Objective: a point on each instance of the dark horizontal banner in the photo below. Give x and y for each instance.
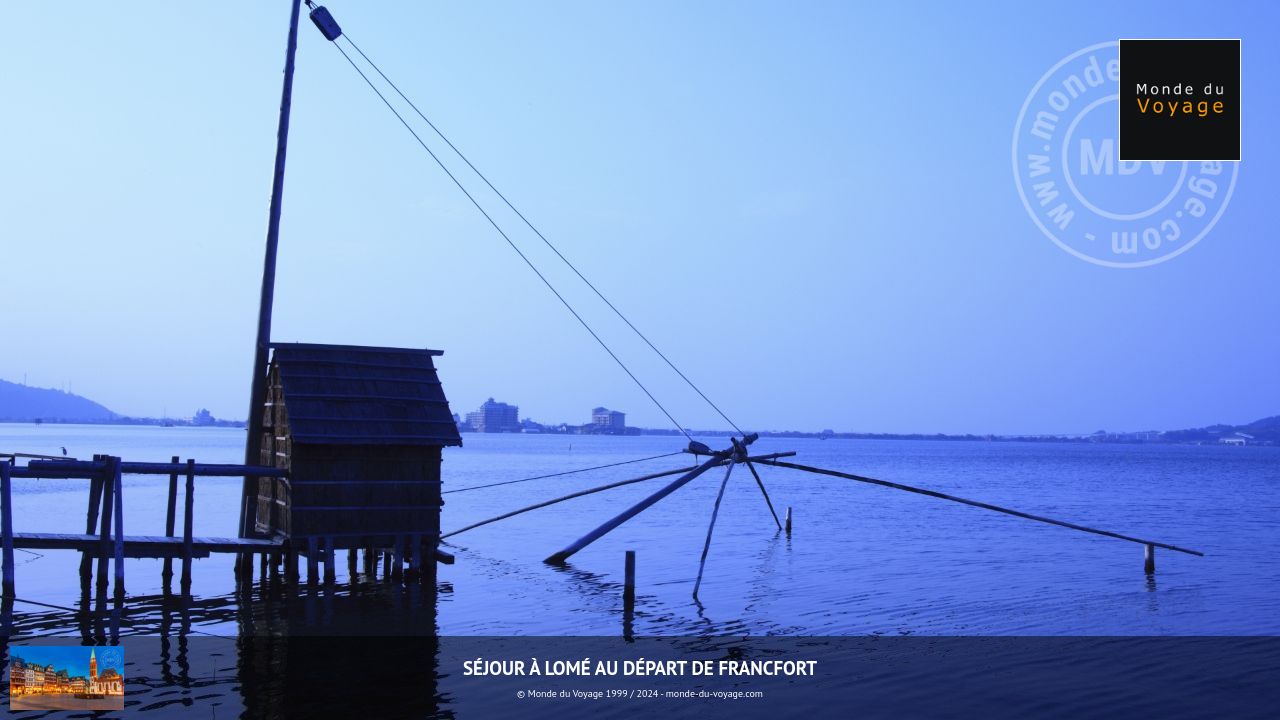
(568, 677)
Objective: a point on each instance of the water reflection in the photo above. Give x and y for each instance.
(1153, 598)
(269, 649)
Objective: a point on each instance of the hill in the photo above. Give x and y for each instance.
(1266, 430)
(20, 403)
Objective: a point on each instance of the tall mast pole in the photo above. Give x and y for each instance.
(261, 348)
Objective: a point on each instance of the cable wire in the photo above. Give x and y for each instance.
(567, 472)
(542, 237)
(504, 235)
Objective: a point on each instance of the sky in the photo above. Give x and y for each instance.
(809, 207)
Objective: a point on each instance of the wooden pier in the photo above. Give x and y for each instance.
(104, 538)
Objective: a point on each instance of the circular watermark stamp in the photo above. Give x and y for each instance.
(1073, 184)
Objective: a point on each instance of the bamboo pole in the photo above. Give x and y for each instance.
(975, 503)
(261, 347)
(590, 491)
(715, 511)
(764, 492)
(570, 496)
(634, 510)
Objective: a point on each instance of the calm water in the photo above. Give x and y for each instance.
(862, 560)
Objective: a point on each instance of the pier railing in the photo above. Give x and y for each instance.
(104, 536)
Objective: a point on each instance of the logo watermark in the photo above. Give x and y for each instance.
(1071, 180)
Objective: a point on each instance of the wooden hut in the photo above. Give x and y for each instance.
(360, 430)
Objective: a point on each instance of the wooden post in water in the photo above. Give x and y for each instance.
(1149, 559)
(788, 521)
(330, 560)
(170, 519)
(91, 520)
(386, 565)
(397, 558)
(313, 574)
(188, 525)
(369, 561)
(291, 565)
(351, 565)
(629, 583)
(104, 526)
(415, 557)
(6, 529)
(117, 483)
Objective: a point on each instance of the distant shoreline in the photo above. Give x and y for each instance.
(1213, 435)
(158, 422)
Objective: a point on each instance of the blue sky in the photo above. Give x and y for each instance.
(809, 206)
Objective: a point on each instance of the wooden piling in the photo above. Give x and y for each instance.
(6, 529)
(788, 521)
(188, 525)
(291, 565)
(330, 561)
(104, 527)
(415, 557)
(397, 559)
(117, 482)
(91, 520)
(1149, 559)
(629, 583)
(369, 561)
(170, 519)
(386, 564)
(351, 564)
(313, 574)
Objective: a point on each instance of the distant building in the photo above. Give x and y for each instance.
(607, 422)
(495, 417)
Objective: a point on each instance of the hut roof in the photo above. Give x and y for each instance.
(356, 395)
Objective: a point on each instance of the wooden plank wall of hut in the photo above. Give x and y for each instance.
(350, 491)
(273, 493)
